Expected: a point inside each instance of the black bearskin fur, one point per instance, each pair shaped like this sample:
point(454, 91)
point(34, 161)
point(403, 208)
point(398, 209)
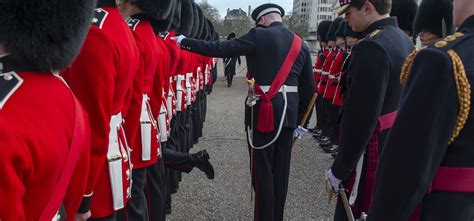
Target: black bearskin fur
point(430, 17)
point(46, 34)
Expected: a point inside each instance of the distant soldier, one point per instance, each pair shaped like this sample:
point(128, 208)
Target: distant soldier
point(229, 64)
point(434, 20)
point(426, 170)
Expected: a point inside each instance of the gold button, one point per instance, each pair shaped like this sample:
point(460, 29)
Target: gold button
point(450, 38)
point(441, 44)
point(458, 34)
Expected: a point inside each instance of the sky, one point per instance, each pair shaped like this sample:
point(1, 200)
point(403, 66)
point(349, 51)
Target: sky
point(223, 5)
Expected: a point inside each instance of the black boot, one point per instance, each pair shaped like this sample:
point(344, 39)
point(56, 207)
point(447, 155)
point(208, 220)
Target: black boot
point(201, 161)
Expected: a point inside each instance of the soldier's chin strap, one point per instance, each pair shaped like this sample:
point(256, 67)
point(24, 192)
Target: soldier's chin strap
point(250, 129)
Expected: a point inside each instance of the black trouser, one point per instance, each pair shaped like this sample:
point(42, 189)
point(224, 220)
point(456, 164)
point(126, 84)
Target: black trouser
point(137, 205)
point(270, 172)
point(230, 77)
point(188, 135)
point(156, 190)
point(326, 117)
point(177, 161)
point(319, 111)
point(331, 119)
point(175, 142)
point(112, 217)
point(196, 118)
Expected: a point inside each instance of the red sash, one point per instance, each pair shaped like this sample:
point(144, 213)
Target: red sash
point(265, 115)
point(77, 143)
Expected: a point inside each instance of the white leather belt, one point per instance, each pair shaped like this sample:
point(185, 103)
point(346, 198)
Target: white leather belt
point(206, 81)
point(146, 125)
point(317, 70)
point(290, 89)
point(179, 92)
point(332, 77)
point(198, 79)
point(188, 88)
point(114, 157)
point(162, 124)
point(325, 73)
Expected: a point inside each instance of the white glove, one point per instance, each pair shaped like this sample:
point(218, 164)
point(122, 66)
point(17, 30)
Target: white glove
point(333, 180)
point(299, 131)
point(178, 39)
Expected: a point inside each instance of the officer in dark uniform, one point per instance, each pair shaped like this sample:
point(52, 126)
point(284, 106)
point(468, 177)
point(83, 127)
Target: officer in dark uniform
point(269, 50)
point(229, 64)
point(372, 100)
point(434, 20)
point(435, 180)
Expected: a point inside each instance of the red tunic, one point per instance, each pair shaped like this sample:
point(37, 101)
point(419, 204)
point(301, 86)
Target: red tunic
point(173, 51)
point(144, 83)
point(325, 71)
point(37, 122)
point(161, 93)
point(333, 79)
point(101, 78)
point(319, 66)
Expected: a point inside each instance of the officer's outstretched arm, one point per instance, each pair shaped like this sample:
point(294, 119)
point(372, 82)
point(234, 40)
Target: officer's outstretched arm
point(230, 48)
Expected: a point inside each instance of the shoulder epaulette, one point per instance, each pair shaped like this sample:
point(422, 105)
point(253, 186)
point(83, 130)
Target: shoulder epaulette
point(450, 41)
point(374, 33)
point(99, 17)
point(133, 23)
point(9, 83)
point(460, 78)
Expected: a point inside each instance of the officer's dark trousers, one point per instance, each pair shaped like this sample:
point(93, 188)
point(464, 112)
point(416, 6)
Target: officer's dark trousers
point(112, 217)
point(270, 171)
point(156, 189)
point(137, 205)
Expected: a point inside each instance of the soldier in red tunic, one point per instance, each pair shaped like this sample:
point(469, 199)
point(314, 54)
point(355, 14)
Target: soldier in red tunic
point(44, 131)
point(101, 77)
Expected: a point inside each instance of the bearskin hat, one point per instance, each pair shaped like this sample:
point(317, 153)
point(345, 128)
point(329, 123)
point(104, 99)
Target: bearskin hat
point(47, 34)
point(340, 30)
point(323, 29)
point(405, 11)
point(187, 17)
point(431, 15)
point(331, 35)
point(196, 21)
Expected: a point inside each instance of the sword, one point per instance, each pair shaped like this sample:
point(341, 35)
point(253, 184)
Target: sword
point(342, 193)
point(347, 207)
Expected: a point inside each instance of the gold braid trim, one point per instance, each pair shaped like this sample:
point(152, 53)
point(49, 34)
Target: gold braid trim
point(407, 67)
point(464, 93)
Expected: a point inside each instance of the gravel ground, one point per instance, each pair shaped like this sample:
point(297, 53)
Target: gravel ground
point(228, 196)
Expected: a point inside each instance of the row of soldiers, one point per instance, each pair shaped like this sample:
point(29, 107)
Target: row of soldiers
point(431, 21)
point(403, 134)
point(99, 107)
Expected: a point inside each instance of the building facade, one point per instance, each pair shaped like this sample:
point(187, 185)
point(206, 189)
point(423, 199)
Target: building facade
point(302, 9)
